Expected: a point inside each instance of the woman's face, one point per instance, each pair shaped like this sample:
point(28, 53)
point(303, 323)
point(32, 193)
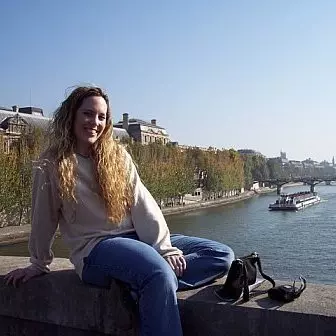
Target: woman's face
point(90, 122)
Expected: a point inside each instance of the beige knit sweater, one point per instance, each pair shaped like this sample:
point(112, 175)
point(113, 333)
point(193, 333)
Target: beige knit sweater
point(85, 223)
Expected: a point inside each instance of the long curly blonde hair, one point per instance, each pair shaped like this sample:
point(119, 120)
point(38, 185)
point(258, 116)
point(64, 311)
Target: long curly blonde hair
point(108, 156)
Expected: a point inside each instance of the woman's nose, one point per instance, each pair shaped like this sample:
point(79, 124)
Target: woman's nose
point(94, 120)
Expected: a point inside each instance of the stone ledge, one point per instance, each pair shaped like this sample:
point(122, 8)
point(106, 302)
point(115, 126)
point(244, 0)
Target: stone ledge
point(60, 298)
point(60, 302)
point(314, 313)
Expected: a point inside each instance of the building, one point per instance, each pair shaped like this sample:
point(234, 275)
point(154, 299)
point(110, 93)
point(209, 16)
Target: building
point(185, 147)
point(295, 163)
point(309, 163)
point(283, 158)
point(283, 155)
point(16, 121)
point(325, 163)
point(143, 131)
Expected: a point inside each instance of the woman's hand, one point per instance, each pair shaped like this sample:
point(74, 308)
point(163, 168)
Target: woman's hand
point(177, 263)
point(21, 275)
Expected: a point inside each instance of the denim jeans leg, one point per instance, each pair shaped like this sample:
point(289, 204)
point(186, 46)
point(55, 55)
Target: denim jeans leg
point(206, 260)
point(147, 273)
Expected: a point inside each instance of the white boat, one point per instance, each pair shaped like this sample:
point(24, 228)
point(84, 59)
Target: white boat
point(295, 201)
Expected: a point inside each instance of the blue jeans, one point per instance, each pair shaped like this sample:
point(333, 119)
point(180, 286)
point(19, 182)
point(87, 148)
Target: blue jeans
point(137, 264)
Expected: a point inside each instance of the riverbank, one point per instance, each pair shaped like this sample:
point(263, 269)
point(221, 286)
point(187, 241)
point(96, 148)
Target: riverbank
point(18, 234)
point(14, 234)
point(213, 203)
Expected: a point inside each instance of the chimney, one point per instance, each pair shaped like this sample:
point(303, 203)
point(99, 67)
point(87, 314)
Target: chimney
point(125, 121)
point(15, 108)
point(153, 122)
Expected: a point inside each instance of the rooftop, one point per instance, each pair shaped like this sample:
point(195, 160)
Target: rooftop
point(120, 133)
point(134, 121)
point(32, 119)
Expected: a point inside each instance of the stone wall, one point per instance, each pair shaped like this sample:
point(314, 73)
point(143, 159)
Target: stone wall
point(59, 304)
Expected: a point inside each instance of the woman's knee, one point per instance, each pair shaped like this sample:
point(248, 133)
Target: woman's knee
point(220, 250)
point(224, 254)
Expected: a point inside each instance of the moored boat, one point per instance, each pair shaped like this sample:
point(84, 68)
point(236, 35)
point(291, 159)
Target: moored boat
point(295, 201)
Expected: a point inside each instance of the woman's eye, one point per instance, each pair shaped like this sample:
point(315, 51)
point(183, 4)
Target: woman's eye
point(102, 118)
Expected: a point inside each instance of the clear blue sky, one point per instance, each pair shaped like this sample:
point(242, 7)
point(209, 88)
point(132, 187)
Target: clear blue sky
point(240, 74)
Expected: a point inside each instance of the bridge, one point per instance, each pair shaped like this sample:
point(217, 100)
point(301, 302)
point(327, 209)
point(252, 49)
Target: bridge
point(310, 180)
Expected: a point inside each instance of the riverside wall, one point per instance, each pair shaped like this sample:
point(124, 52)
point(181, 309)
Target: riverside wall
point(59, 304)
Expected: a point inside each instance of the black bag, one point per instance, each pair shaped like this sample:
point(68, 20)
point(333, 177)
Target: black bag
point(287, 293)
point(242, 273)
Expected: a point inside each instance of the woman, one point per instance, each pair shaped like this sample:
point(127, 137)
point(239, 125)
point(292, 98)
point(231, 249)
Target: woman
point(87, 184)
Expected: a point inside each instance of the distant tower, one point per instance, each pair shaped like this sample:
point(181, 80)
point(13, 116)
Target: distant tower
point(283, 155)
point(333, 161)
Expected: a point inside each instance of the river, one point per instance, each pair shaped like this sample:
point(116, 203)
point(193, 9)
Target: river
point(289, 243)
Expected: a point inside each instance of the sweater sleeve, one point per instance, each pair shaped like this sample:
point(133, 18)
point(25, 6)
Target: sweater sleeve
point(45, 215)
point(148, 220)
